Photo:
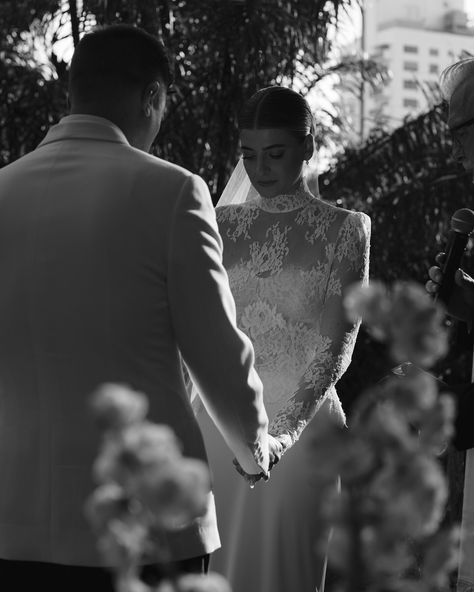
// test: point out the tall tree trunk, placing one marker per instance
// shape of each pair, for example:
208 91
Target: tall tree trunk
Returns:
74 21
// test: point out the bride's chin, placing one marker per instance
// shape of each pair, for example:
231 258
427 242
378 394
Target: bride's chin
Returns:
268 192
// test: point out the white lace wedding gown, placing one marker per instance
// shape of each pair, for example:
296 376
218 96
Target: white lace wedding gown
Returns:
289 259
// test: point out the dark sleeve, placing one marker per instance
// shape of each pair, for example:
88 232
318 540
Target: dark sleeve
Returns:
464 419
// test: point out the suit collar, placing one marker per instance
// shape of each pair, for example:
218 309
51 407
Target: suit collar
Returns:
86 127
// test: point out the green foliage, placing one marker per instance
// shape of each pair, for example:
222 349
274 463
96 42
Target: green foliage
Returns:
223 51
410 186
30 105
16 16
223 54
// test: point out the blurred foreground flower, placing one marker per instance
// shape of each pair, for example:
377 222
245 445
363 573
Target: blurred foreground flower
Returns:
213 582
116 407
145 488
405 317
386 519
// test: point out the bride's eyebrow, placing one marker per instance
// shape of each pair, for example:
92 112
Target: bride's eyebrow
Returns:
274 146
266 147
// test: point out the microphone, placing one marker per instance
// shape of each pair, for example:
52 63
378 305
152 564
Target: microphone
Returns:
462 224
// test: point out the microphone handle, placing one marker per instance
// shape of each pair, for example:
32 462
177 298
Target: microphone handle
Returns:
455 249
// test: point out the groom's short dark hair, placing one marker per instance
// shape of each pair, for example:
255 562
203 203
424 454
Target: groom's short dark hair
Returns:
116 58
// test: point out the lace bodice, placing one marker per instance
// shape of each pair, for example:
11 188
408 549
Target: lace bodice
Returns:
289 260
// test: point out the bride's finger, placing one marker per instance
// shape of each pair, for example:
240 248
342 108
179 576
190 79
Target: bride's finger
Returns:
440 258
431 287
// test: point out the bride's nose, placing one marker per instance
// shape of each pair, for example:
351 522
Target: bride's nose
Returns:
262 164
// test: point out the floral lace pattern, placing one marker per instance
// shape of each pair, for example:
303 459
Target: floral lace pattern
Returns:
317 219
289 260
267 258
239 218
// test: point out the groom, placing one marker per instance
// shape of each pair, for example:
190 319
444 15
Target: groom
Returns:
110 267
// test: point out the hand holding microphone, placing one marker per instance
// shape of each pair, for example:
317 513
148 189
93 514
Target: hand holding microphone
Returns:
450 285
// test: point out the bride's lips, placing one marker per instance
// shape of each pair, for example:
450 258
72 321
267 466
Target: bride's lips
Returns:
266 183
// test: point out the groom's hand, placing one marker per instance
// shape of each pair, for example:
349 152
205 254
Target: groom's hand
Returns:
275 449
250 478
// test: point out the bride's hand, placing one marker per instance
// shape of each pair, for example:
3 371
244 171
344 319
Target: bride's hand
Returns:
275 449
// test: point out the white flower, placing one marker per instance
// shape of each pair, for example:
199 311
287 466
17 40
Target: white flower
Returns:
437 425
212 582
405 317
139 447
130 583
122 544
414 394
106 503
417 332
442 557
372 303
175 494
413 491
116 406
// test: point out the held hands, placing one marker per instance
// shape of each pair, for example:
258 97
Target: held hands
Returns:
461 302
275 449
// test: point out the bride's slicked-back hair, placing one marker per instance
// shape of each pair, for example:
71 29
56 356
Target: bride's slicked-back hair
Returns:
277 107
116 58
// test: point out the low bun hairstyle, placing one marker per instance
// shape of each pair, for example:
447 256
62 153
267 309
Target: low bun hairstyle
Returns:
277 107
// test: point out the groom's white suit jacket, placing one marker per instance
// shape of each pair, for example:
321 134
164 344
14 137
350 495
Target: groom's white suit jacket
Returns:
110 265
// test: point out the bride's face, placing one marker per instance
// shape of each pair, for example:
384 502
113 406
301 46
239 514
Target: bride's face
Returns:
273 159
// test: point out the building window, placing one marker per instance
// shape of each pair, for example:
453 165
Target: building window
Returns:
434 69
412 103
410 66
410 49
380 50
410 84
434 51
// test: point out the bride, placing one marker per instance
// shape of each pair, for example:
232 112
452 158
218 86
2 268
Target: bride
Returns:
290 257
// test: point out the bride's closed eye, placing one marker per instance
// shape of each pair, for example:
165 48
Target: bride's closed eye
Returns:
274 156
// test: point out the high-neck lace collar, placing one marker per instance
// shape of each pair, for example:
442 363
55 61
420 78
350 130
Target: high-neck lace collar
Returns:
285 202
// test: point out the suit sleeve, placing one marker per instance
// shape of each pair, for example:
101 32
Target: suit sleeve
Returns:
220 357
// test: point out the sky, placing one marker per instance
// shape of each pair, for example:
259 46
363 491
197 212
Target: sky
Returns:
351 26
469 8
326 96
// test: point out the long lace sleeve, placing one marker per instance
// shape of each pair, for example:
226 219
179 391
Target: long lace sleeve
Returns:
349 263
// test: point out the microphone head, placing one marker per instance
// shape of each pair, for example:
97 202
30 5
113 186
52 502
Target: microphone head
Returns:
462 221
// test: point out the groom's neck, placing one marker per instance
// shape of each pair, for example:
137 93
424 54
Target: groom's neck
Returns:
121 117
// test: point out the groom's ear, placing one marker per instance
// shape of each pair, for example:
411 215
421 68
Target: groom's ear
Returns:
151 97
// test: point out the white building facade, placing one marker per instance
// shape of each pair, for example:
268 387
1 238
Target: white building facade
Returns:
416 40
